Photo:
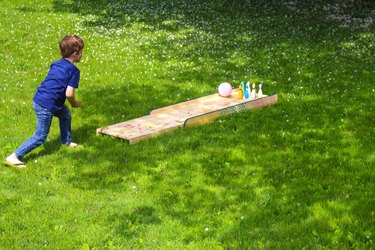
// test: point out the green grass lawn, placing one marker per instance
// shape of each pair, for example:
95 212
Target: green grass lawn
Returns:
296 175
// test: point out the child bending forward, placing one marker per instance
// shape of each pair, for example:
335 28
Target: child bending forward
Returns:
49 100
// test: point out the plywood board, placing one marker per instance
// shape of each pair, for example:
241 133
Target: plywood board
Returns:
190 113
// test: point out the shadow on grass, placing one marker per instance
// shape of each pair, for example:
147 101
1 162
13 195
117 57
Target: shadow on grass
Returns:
256 39
297 170
131 224
49 147
285 175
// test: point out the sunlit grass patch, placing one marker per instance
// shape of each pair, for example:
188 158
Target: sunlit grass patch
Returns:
295 175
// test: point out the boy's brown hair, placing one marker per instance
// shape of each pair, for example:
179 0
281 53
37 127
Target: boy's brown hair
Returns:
70 44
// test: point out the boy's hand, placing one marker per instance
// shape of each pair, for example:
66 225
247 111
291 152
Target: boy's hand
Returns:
76 104
71 98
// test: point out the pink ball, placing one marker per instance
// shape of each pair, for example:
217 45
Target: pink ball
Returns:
225 89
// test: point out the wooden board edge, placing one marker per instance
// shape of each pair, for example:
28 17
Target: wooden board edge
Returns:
137 139
148 136
252 104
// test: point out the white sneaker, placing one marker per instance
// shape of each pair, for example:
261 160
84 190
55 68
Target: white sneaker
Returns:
73 145
13 161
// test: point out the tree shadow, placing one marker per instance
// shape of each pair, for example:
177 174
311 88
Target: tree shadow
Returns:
308 135
130 224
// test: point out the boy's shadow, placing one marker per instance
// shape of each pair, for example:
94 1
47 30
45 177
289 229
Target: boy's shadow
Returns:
47 148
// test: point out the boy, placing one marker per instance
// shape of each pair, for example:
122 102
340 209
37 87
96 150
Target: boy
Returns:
59 84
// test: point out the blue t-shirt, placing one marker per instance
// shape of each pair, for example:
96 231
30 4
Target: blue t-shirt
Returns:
51 93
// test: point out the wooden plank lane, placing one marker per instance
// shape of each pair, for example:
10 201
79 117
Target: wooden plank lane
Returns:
190 113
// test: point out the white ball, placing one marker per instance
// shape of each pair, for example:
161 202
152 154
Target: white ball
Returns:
225 89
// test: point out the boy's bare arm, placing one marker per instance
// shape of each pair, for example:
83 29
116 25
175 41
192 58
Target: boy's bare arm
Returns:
71 98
